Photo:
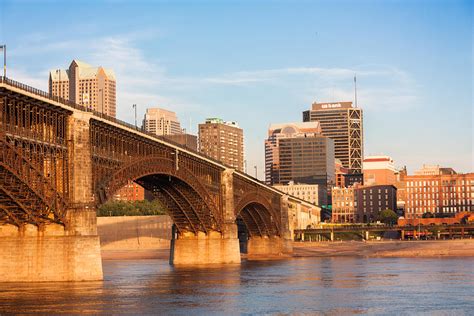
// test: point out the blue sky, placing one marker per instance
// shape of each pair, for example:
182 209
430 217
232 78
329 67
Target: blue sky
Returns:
262 62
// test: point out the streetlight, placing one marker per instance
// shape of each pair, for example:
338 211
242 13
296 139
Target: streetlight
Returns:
4 49
135 107
255 172
102 101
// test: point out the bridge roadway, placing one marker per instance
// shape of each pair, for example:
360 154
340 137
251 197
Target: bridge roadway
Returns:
329 233
60 161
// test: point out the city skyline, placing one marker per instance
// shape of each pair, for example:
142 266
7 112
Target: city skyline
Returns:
414 74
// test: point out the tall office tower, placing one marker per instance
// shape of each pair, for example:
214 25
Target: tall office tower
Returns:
223 141
343 123
298 152
92 87
379 170
161 122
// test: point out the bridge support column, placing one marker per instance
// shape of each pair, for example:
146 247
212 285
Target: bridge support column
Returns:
215 247
54 252
287 241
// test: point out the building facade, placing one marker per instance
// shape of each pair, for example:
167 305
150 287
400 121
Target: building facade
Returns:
379 170
343 123
298 152
442 192
340 171
186 140
371 200
362 204
161 122
81 83
312 193
223 141
130 192
343 206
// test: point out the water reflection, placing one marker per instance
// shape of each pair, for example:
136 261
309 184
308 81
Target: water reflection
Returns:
330 286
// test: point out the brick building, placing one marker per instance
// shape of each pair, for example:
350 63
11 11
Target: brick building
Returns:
439 191
379 170
359 204
223 141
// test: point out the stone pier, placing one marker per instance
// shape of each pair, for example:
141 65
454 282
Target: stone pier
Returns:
213 247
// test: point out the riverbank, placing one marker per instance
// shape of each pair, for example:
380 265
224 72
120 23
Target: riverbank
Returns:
424 248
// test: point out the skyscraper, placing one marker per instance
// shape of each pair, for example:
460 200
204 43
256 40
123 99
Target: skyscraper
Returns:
92 87
298 152
343 123
161 122
223 141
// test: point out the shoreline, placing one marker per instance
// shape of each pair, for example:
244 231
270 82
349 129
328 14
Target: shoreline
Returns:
369 249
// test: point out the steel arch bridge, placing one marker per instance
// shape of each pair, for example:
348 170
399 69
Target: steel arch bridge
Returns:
60 160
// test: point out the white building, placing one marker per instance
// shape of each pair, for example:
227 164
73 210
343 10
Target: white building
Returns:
161 122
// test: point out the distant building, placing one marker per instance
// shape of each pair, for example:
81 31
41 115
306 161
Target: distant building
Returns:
161 122
130 192
339 173
343 123
438 191
379 170
371 200
312 193
92 87
223 141
362 204
353 178
298 152
343 206
186 140
433 170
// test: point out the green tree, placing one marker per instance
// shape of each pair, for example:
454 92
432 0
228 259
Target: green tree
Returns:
135 208
388 217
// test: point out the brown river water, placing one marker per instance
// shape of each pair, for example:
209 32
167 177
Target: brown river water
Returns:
301 286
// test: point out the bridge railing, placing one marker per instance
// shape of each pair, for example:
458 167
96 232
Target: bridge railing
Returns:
74 105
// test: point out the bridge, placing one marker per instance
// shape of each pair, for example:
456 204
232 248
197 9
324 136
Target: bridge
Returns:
439 231
59 161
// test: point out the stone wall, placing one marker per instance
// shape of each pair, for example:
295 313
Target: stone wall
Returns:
32 255
134 232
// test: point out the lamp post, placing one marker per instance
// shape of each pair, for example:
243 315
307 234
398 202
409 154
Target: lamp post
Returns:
256 174
102 101
135 107
4 49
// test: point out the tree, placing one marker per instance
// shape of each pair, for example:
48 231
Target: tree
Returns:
135 208
388 217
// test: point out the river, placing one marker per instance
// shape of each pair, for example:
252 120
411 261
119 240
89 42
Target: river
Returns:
331 286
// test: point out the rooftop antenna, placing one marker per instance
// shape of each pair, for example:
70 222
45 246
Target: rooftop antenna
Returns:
355 90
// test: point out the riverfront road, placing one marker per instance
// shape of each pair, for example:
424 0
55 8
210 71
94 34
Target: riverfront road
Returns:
418 231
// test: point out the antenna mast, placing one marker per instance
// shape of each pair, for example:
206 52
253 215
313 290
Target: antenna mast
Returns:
355 90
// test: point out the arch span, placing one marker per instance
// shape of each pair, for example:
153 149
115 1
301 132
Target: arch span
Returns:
186 199
258 215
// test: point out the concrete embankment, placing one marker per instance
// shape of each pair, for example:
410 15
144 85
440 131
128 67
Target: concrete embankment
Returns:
422 248
134 237
148 237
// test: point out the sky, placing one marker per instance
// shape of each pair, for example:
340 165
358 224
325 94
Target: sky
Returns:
263 62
